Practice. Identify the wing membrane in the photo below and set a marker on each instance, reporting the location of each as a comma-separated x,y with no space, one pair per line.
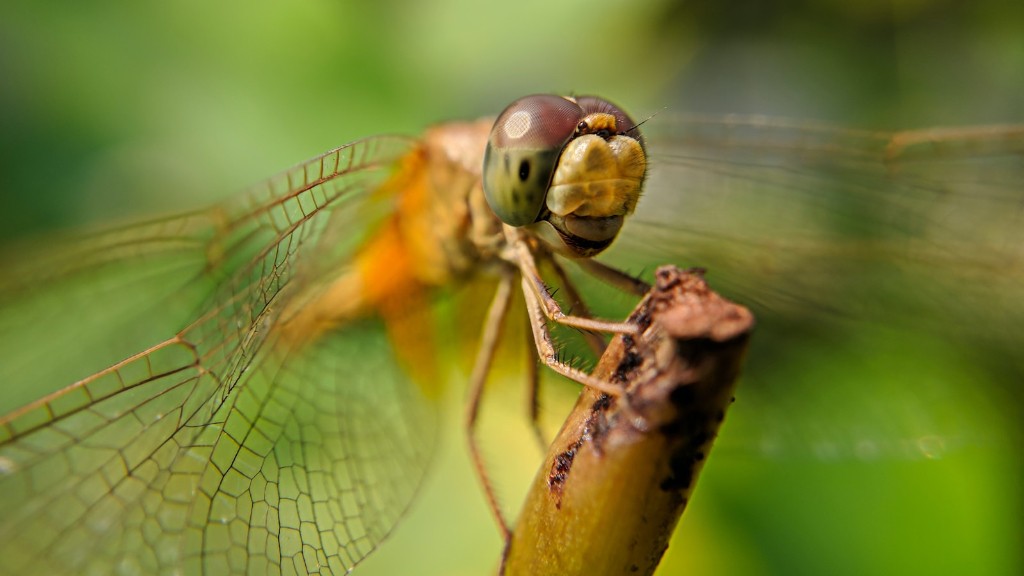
216,448
887,272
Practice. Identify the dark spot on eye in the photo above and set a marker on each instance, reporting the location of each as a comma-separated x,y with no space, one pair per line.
505,163
515,197
524,170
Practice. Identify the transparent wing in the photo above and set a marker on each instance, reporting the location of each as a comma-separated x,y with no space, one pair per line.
886,270
193,439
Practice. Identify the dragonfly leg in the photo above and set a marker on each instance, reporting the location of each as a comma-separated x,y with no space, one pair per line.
533,390
546,347
533,285
493,324
595,341
614,277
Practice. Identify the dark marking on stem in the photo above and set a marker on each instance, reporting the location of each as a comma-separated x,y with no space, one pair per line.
560,471
593,431
691,432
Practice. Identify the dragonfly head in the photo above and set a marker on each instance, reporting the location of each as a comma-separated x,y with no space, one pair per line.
570,168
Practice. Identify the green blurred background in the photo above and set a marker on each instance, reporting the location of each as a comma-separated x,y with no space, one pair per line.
112,108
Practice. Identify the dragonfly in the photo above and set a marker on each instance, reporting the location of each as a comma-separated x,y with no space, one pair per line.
251,388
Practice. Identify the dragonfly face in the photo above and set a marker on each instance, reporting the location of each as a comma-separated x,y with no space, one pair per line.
181,426
577,164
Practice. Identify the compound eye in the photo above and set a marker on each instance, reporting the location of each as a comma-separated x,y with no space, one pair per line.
522,153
